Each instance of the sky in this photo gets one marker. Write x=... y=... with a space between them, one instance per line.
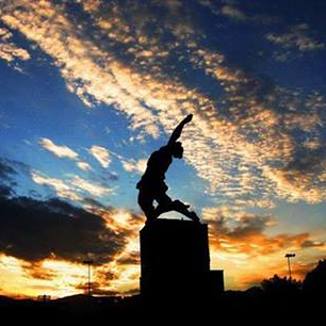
x=90 y=88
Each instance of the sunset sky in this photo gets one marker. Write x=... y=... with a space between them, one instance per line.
x=89 y=88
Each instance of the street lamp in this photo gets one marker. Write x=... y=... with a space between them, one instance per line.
x=289 y=256
x=89 y=262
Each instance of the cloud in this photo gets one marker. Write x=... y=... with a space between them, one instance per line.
x=130 y=259
x=242 y=139
x=245 y=245
x=239 y=232
x=44 y=242
x=135 y=166
x=94 y=189
x=123 y=273
x=62 y=189
x=71 y=54
x=311 y=244
x=74 y=189
x=34 y=230
x=298 y=37
x=101 y=154
x=233 y=12
x=36 y=270
x=63 y=151
x=297 y=184
x=59 y=151
x=8 y=50
x=9 y=171
x=257 y=119
x=84 y=166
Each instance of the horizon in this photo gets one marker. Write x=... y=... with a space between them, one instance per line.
x=89 y=89
x=297 y=285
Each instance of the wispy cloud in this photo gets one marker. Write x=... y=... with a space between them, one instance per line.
x=63 y=151
x=298 y=37
x=62 y=189
x=101 y=154
x=84 y=166
x=233 y=12
x=248 y=129
x=94 y=189
x=74 y=188
x=237 y=12
x=135 y=166
x=58 y=150
x=9 y=51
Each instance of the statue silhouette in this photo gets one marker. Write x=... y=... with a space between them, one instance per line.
x=152 y=186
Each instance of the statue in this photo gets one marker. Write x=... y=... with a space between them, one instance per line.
x=152 y=186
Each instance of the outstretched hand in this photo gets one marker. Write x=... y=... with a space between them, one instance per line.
x=177 y=131
x=188 y=118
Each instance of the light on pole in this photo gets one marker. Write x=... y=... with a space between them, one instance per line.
x=89 y=263
x=289 y=256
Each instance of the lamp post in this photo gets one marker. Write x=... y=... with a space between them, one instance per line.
x=89 y=263
x=289 y=256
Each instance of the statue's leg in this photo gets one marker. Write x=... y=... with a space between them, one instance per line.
x=182 y=208
x=165 y=204
x=145 y=201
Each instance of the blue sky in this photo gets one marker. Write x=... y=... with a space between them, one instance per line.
x=88 y=89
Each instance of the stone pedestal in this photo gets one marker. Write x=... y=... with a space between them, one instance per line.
x=175 y=260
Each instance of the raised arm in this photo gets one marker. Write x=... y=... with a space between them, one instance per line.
x=177 y=131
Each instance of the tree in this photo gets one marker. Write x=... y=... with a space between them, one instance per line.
x=315 y=280
x=278 y=286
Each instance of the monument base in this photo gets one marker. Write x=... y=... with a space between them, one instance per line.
x=175 y=260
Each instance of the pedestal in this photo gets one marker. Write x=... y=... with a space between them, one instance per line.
x=175 y=259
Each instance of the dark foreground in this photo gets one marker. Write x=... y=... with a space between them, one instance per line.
x=252 y=307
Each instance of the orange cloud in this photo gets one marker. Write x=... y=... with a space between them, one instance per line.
x=241 y=232
x=240 y=245
x=8 y=50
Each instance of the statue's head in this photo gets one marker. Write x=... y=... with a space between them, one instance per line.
x=177 y=150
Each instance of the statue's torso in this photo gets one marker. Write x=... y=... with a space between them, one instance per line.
x=157 y=165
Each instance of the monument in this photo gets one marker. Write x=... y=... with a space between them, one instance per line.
x=152 y=186
x=175 y=259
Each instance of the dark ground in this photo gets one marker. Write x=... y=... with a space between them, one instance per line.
x=252 y=306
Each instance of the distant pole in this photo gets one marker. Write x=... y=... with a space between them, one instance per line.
x=289 y=256
x=89 y=285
